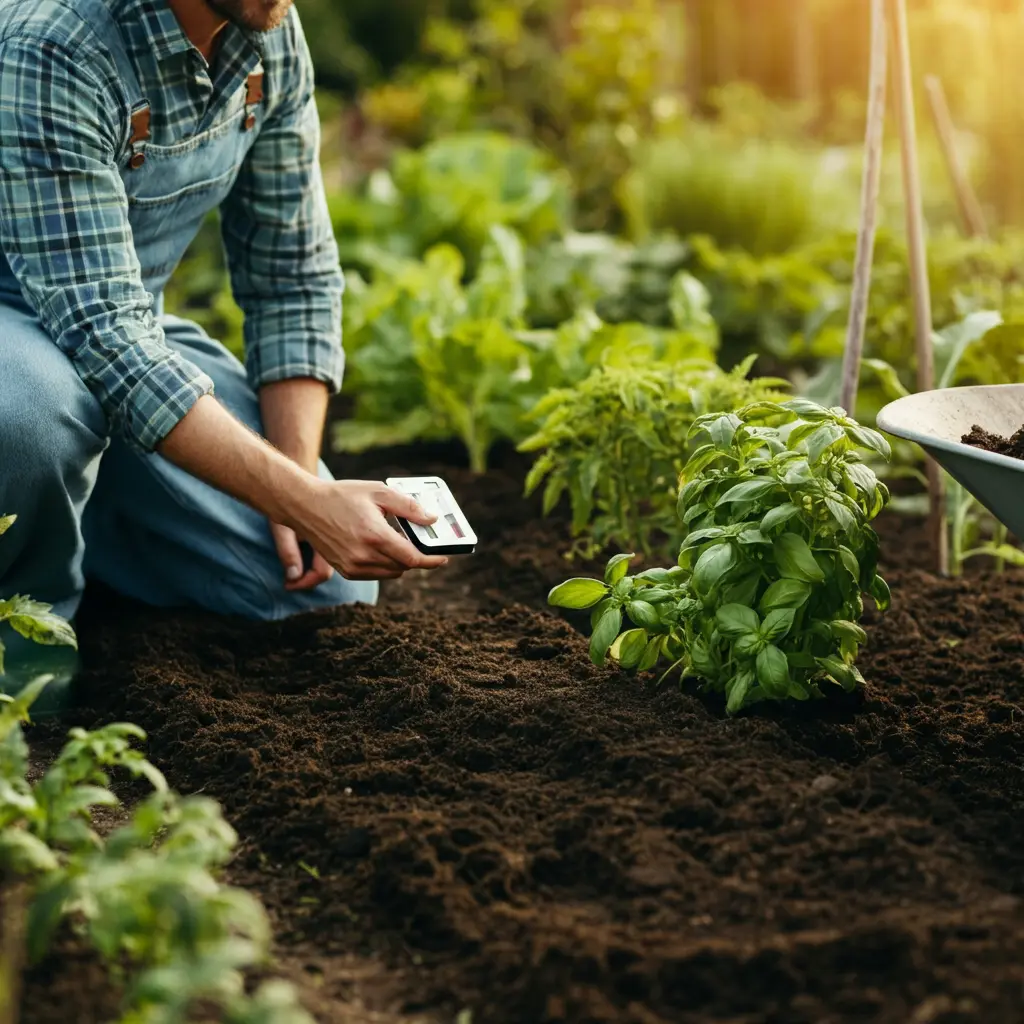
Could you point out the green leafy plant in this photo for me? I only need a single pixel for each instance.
(617, 441)
(32, 619)
(454, 191)
(765, 600)
(433, 359)
(145, 895)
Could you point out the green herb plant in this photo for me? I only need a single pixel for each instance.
(765, 600)
(32, 619)
(145, 896)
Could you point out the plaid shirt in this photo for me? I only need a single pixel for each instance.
(64, 216)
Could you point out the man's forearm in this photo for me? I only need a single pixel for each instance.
(294, 413)
(212, 445)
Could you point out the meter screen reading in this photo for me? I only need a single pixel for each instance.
(432, 498)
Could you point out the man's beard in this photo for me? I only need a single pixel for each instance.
(254, 15)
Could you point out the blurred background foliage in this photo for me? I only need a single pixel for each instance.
(625, 141)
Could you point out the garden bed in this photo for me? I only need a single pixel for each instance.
(447, 807)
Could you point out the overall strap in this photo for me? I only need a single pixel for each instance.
(99, 16)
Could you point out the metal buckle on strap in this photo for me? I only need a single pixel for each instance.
(253, 98)
(139, 136)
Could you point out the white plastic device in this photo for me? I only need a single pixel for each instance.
(451, 534)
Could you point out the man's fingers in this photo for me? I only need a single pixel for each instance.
(319, 572)
(399, 504)
(392, 545)
(288, 552)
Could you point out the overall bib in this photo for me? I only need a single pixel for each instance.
(88, 505)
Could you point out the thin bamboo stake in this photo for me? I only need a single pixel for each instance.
(868, 210)
(967, 200)
(920, 291)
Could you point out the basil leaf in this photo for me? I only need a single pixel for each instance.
(795, 559)
(842, 515)
(632, 645)
(577, 593)
(845, 675)
(777, 623)
(652, 652)
(736, 690)
(697, 537)
(773, 672)
(734, 620)
(702, 661)
(880, 592)
(777, 516)
(712, 566)
(785, 593)
(723, 429)
(604, 635)
(868, 438)
(643, 614)
(822, 439)
(617, 568)
(654, 575)
(749, 490)
(843, 629)
(849, 562)
(749, 644)
(744, 590)
(806, 409)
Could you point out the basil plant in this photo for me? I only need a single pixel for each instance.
(765, 600)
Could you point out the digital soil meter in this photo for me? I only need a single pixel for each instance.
(451, 534)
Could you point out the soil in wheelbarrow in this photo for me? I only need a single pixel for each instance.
(1013, 446)
(446, 807)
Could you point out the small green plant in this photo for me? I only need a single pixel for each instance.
(765, 600)
(617, 443)
(32, 619)
(145, 895)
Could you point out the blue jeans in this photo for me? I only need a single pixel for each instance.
(89, 507)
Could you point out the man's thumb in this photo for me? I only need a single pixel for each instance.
(288, 552)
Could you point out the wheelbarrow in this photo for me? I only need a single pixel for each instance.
(936, 420)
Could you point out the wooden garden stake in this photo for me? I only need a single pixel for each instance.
(918, 261)
(868, 211)
(967, 200)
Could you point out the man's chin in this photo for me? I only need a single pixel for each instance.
(253, 15)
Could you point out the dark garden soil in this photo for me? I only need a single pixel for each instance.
(989, 442)
(447, 808)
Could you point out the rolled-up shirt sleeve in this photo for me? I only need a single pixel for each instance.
(65, 231)
(279, 241)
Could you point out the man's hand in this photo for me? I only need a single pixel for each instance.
(294, 412)
(348, 523)
(345, 521)
(296, 575)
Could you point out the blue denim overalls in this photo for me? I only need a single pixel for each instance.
(87, 504)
